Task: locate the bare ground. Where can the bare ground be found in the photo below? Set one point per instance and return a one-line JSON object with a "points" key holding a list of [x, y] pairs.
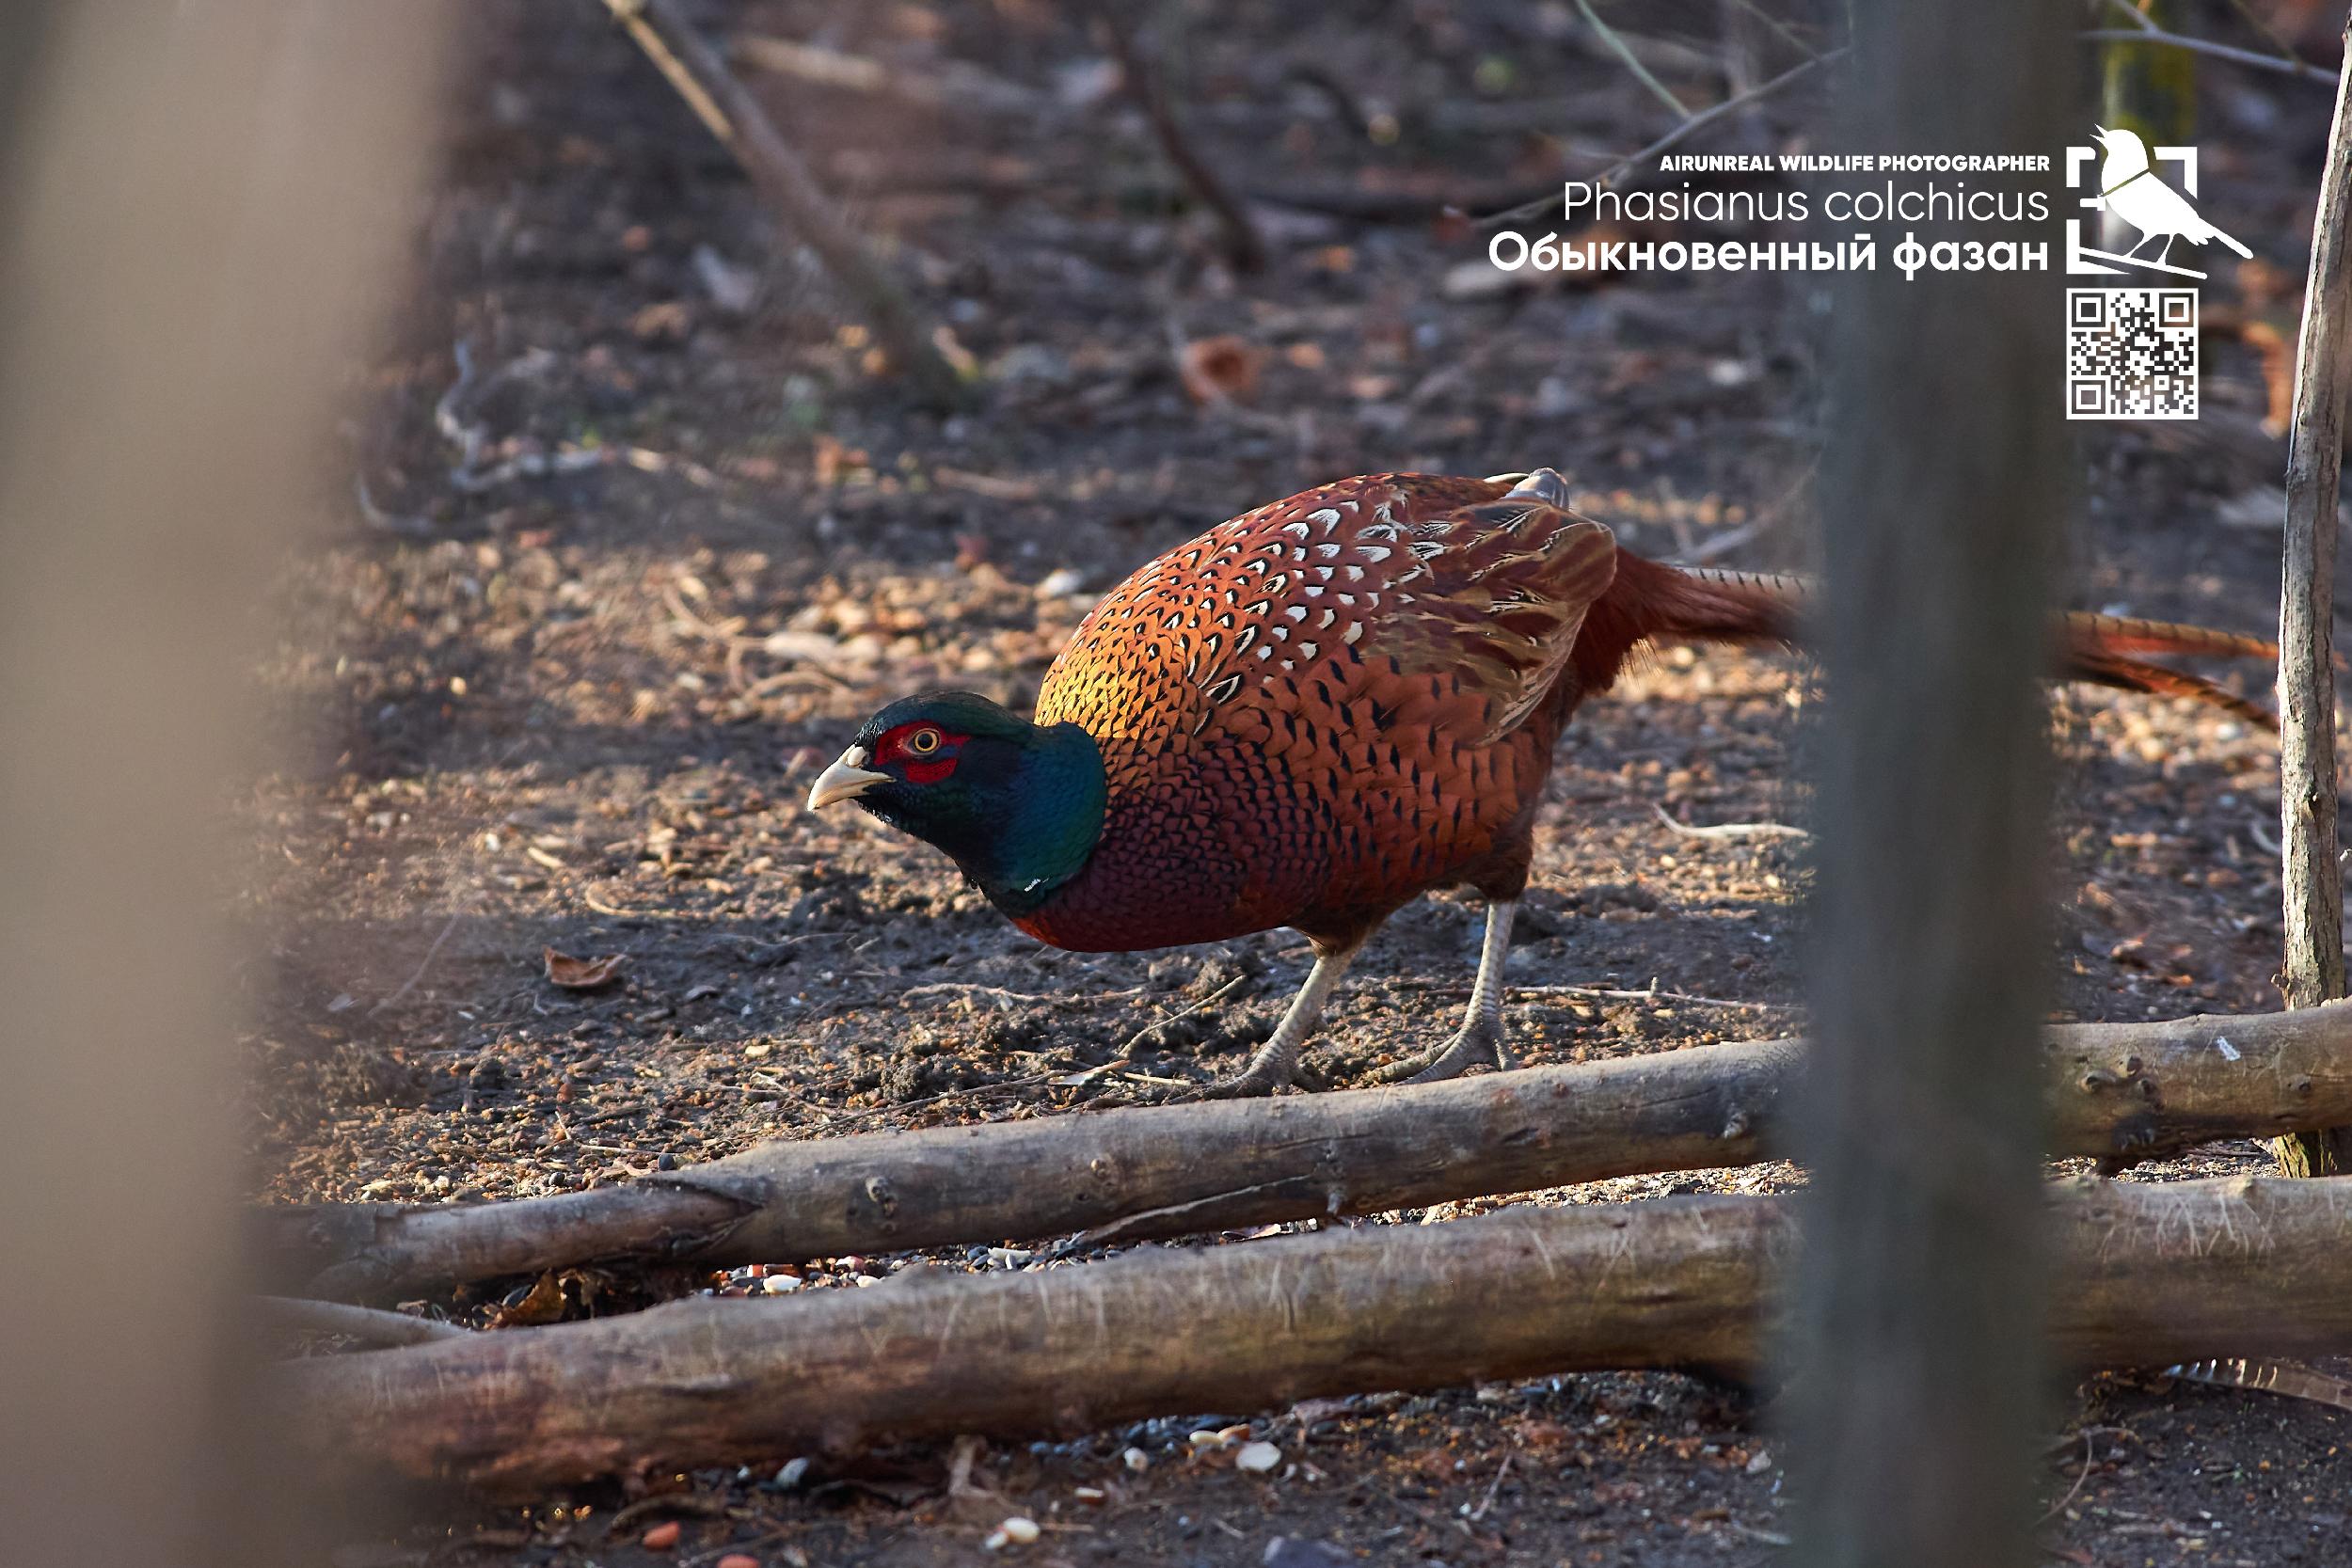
{"points": [[578, 712]]}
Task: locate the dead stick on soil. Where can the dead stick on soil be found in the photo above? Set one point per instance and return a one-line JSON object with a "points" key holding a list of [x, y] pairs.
{"points": [[735, 116], [1244, 245], [364, 1323], [2311, 883], [2118, 1091], [2147, 1275]]}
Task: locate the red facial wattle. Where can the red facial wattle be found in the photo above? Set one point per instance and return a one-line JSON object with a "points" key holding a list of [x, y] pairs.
{"points": [[923, 754]]}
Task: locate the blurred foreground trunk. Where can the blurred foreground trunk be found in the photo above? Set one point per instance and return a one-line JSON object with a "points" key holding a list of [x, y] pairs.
{"points": [[199, 204], [1921, 1290]]}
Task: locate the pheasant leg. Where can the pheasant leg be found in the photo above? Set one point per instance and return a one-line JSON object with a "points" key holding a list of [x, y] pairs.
{"points": [[1479, 1041], [1275, 1065]]}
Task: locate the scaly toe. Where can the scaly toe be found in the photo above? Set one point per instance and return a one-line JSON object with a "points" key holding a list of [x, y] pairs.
{"points": [[1255, 1083], [1471, 1048]]}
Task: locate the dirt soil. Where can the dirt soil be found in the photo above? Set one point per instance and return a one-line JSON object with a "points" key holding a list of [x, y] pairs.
{"points": [[558, 676]]}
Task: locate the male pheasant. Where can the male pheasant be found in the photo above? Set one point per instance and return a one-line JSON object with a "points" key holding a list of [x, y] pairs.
{"points": [[1314, 713]]}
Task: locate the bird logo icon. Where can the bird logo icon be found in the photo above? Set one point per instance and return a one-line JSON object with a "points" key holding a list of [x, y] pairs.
{"points": [[2130, 188]]}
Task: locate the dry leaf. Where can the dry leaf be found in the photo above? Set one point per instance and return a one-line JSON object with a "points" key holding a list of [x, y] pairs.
{"points": [[543, 1305], [1220, 369], [582, 974]]}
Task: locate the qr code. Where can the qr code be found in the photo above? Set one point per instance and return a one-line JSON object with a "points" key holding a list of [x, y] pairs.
{"points": [[2130, 354]]}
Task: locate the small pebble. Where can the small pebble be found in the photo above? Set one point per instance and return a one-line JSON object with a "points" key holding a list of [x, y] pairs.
{"points": [[1206, 1439], [794, 1472], [1135, 1460], [669, 1161], [1761, 1463], [779, 1284], [662, 1536], [1020, 1529], [1258, 1458], [1088, 1494]]}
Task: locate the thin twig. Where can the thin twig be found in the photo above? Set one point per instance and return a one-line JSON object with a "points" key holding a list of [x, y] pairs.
{"points": [[1492, 1487], [2157, 35], [732, 114], [430, 954], [1142, 1221], [1633, 62], [364, 1323], [1651, 995], [2286, 49], [997, 994], [2075, 1491], [1244, 245], [1159, 1023], [1673, 138], [376, 517], [1779, 28], [1730, 829]]}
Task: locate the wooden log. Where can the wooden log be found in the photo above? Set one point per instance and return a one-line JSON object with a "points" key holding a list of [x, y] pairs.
{"points": [[2118, 1091], [2149, 1274], [2311, 879]]}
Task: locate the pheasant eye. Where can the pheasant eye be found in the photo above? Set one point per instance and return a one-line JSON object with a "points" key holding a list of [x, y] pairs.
{"points": [[923, 742]]}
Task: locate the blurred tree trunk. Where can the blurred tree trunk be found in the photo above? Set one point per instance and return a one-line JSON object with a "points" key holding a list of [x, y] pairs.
{"points": [[1915, 1380], [201, 203]]}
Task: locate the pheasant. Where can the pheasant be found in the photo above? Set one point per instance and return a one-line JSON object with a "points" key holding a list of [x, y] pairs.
{"points": [[1314, 713]]}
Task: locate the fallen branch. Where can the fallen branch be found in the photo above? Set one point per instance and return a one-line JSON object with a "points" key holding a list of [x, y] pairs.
{"points": [[2119, 1091], [2147, 1275], [948, 83], [733, 115], [363, 1323], [1244, 245]]}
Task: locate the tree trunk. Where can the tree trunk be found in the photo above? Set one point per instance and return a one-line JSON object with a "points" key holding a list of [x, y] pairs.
{"points": [[1918, 1358], [2150, 1274], [2118, 1091], [2311, 883]]}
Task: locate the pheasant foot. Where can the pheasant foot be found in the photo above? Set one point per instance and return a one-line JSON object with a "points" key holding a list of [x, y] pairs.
{"points": [[1478, 1043]]}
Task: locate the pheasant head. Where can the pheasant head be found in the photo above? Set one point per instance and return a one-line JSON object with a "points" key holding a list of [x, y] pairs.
{"points": [[1016, 805]]}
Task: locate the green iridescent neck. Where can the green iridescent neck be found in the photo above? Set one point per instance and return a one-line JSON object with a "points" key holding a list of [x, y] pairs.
{"points": [[1053, 816]]}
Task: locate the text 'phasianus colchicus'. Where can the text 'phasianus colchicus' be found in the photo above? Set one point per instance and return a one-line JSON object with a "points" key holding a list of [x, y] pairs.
{"points": [[1314, 713]]}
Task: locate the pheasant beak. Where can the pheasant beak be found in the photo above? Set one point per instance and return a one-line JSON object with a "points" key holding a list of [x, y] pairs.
{"points": [[845, 779]]}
